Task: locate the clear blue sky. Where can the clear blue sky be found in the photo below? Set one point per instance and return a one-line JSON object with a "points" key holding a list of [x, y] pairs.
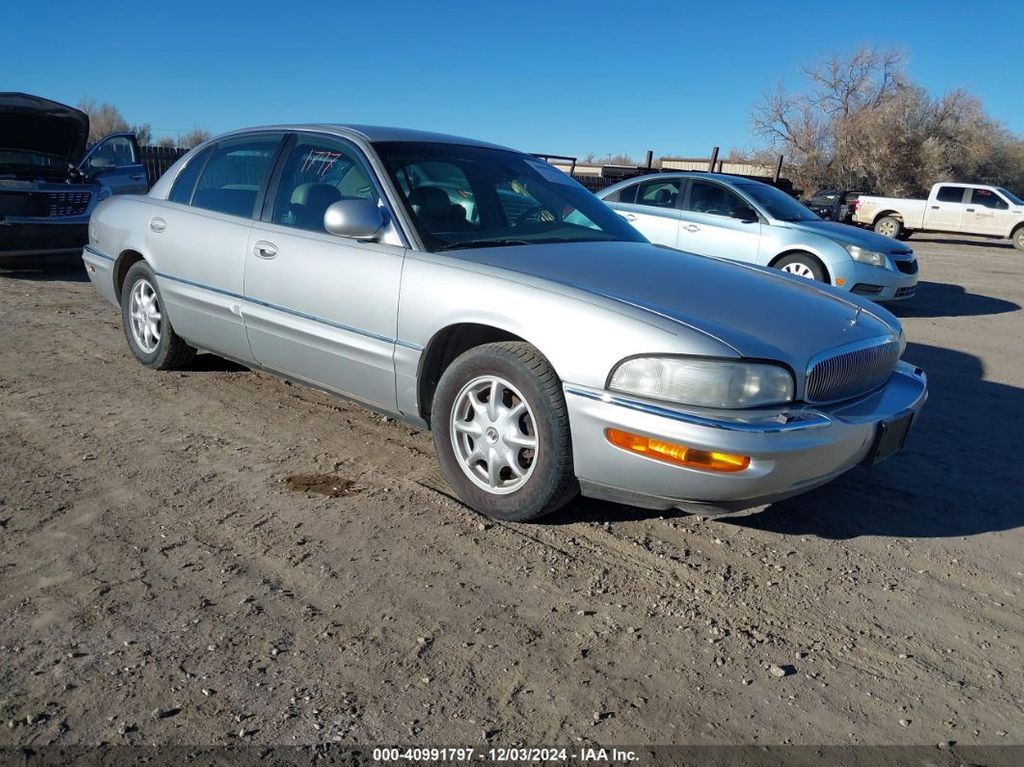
{"points": [[557, 77]]}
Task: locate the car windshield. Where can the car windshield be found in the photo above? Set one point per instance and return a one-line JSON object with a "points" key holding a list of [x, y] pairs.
{"points": [[779, 205], [1010, 196], [470, 196]]}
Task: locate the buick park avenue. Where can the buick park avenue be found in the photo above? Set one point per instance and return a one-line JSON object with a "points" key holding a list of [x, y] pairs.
{"points": [[482, 294]]}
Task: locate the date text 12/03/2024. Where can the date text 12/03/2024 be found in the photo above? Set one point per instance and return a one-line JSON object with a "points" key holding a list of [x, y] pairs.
{"points": [[513, 754]]}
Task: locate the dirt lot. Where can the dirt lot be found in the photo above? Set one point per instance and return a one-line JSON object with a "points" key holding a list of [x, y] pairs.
{"points": [[162, 582]]}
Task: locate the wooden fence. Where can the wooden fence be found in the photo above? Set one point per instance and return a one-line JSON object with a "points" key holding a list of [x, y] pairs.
{"points": [[157, 159]]}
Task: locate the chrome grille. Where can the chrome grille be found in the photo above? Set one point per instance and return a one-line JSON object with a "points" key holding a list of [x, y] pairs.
{"points": [[67, 203], [841, 374]]}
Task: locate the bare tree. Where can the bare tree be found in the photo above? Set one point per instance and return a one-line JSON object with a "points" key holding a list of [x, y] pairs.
{"points": [[193, 138], [105, 119], [166, 141], [861, 121]]}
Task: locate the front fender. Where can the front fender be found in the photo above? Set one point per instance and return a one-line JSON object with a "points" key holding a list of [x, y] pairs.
{"points": [[583, 339]]}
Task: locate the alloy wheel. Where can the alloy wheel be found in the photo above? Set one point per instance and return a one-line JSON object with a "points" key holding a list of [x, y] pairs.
{"points": [[494, 434], [144, 312], [800, 270]]}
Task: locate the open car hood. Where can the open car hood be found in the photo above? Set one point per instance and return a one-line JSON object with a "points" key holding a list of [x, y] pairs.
{"points": [[35, 124]]}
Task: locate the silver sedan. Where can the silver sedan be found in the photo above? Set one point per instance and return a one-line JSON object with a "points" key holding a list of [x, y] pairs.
{"points": [[480, 293]]}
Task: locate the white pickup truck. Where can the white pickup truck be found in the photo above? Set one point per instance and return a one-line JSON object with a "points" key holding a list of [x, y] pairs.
{"points": [[990, 211]]}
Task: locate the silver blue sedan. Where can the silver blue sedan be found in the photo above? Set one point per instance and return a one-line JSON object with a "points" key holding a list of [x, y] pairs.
{"points": [[714, 214], [480, 293]]}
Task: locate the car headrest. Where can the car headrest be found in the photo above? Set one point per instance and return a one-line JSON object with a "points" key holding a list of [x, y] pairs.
{"points": [[315, 195], [430, 202]]}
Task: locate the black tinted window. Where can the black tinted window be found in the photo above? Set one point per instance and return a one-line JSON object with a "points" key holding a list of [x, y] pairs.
{"points": [[185, 183], [950, 194], [658, 193], [715, 199], [987, 198], [317, 173], [232, 178], [626, 194]]}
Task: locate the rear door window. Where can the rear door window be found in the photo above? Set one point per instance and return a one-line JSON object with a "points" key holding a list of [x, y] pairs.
{"points": [[234, 174], [658, 193], [950, 194]]}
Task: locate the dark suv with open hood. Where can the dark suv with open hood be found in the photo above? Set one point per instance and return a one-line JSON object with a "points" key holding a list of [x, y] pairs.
{"points": [[49, 184]]}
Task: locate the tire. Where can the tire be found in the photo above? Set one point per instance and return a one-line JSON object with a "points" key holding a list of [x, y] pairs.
{"points": [[1018, 238], [889, 226], [803, 265], [470, 437], [142, 305]]}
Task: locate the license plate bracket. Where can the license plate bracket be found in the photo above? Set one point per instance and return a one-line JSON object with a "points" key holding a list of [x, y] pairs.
{"points": [[890, 437]]}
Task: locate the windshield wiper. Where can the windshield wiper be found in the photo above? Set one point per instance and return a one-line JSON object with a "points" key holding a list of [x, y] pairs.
{"points": [[498, 243]]}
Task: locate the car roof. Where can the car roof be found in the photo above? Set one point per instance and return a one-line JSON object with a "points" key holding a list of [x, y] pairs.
{"points": [[727, 178], [375, 133]]}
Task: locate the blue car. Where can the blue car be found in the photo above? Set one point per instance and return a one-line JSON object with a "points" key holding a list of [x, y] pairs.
{"points": [[732, 217], [49, 183]]}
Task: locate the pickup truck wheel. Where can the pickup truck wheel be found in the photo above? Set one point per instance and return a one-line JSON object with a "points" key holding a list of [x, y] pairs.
{"points": [[1018, 238], [146, 325], [802, 265], [889, 226], [906, 234], [501, 432]]}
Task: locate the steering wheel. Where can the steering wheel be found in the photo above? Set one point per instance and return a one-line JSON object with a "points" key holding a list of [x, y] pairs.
{"points": [[533, 210]]}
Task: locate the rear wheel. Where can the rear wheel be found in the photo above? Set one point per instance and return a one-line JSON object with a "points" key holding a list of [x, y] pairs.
{"points": [[889, 226], [802, 265], [1018, 238], [146, 325], [501, 432]]}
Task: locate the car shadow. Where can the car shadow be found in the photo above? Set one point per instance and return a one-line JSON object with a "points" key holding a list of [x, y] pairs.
{"points": [[205, 362], [941, 299], [70, 269], [957, 476], [986, 243]]}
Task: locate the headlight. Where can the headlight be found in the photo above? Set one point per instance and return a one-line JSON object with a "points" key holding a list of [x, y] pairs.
{"points": [[872, 257], [704, 383]]}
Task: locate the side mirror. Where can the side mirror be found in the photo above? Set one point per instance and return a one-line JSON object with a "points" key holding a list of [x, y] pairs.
{"points": [[747, 215], [359, 219]]}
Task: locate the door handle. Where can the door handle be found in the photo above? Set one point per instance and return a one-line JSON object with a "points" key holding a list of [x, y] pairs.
{"points": [[157, 224], [970, 210], [264, 249], [935, 207], [692, 228]]}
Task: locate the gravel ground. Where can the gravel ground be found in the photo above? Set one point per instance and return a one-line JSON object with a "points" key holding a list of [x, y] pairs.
{"points": [[162, 581]]}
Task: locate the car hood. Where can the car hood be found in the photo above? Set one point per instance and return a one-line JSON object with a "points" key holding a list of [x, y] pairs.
{"points": [[34, 124], [758, 312], [845, 234]]}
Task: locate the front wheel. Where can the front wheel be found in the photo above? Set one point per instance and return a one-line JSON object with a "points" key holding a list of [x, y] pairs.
{"points": [[1018, 238], [146, 326], [802, 265], [889, 226], [501, 432]]}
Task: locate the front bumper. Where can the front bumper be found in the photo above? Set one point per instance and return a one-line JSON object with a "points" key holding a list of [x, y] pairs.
{"points": [[791, 450], [878, 284], [25, 242]]}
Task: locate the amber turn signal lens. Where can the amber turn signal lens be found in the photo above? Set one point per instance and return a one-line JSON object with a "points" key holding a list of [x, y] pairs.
{"points": [[680, 455]]}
